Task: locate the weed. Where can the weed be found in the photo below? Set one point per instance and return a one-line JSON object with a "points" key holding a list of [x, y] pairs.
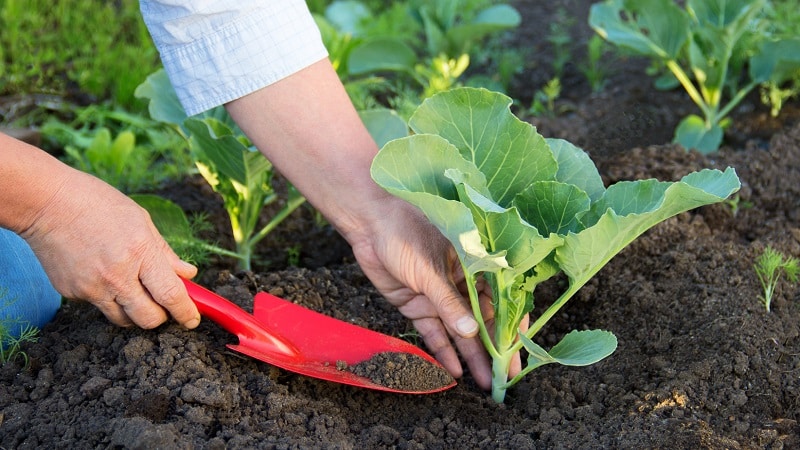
{"points": [[769, 267], [10, 342]]}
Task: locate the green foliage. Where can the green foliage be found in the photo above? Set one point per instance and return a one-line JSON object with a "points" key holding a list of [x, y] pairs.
{"points": [[128, 151], [366, 47], [544, 100], [712, 48], [454, 27], [782, 22], [10, 341], [769, 267], [228, 162], [560, 40], [519, 209], [181, 233], [103, 48], [593, 68]]}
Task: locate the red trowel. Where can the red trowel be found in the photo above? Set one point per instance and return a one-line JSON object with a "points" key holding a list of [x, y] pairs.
{"points": [[303, 341]]}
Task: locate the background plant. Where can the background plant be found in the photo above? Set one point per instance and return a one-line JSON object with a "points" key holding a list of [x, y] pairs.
{"points": [[227, 160], [769, 267], [181, 232], [782, 22], [520, 209], [75, 47], [593, 67], [411, 49], [128, 151], [14, 332], [713, 48]]}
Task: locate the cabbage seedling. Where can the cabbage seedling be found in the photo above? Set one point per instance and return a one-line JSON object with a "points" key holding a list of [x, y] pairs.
{"points": [[519, 209]]}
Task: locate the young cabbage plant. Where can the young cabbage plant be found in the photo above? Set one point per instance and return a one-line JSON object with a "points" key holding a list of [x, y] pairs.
{"points": [[707, 47], [228, 162], [520, 209]]}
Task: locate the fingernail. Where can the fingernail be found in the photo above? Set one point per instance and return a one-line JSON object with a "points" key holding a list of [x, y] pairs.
{"points": [[466, 326], [192, 323], [188, 266]]}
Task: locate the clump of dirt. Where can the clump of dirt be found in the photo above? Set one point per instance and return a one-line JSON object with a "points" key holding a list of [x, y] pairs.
{"points": [[402, 371]]}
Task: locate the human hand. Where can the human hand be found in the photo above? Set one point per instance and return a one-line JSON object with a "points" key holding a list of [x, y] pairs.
{"points": [[416, 269], [98, 245]]}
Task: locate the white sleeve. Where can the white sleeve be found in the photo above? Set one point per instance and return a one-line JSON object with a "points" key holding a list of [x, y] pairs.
{"points": [[215, 51]]}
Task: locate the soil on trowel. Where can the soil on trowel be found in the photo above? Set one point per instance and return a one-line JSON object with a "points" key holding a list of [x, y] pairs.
{"points": [[402, 371]]}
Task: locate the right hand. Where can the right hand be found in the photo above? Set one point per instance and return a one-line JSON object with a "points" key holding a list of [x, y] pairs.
{"points": [[98, 245]]}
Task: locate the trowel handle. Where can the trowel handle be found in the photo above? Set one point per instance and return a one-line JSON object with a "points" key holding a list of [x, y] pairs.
{"points": [[235, 320]]}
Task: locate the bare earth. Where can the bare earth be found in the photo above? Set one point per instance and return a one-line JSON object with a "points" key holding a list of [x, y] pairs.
{"points": [[700, 364]]}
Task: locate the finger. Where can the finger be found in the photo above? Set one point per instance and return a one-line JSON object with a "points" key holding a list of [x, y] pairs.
{"points": [[114, 312], [453, 310], [167, 290], [438, 343], [477, 359], [139, 306]]}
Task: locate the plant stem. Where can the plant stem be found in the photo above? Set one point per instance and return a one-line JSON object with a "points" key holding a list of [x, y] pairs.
{"points": [[293, 203], [735, 101], [690, 88], [500, 367], [474, 301]]}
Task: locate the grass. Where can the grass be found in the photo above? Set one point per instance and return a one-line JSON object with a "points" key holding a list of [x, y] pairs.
{"points": [[75, 47], [11, 345]]}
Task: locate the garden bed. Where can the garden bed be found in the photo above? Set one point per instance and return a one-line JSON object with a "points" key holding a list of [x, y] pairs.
{"points": [[700, 363]]}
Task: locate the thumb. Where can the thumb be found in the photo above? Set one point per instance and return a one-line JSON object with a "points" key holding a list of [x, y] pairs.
{"points": [[454, 309]]}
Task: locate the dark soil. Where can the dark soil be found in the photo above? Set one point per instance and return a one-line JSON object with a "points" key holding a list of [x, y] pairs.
{"points": [[700, 363]]}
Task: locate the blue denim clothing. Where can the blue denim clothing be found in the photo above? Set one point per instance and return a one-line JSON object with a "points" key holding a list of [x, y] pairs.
{"points": [[26, 295]]}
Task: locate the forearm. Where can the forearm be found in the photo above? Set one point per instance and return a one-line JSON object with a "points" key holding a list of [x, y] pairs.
{"points": [[307, 127], [29, 178]]}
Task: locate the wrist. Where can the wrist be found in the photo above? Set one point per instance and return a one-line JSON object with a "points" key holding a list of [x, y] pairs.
{"points": [[29, 180]]}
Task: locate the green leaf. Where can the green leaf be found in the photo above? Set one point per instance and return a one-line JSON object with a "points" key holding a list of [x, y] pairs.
{"points": [[347, 15], [732, 14], [643, 205], [504, 230], [778, 61], [491, 20], [164, 105], [383, 125], [656, 28], [229, 156], [381, 54], [577, 348], [169, 218], [413, 168], [694, 133], [553, 207], [480, 124], [576, 168]]}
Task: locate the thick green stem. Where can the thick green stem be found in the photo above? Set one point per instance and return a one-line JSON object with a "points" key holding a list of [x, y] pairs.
{"points": [[474, 301], [500, 367]]}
